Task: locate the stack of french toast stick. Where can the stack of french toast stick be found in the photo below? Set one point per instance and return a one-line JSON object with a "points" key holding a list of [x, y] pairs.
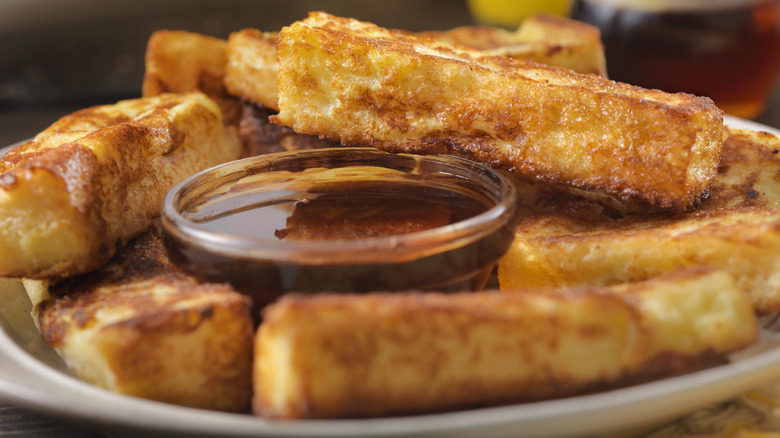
{"points": [[647, 245]]}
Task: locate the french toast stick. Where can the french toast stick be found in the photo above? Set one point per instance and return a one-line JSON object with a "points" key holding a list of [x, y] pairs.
{"points": [[140, 327], [567, 240], [94, 179], [748, 171], [337, 356], [358, 83], [743, 241], [546, 39], [178, 61], [748, 176], [252, 66]]}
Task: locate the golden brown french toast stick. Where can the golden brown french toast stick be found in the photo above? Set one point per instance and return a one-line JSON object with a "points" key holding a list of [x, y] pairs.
{"points": [[96, 178], [139, 326], [183, 62], [358, 83], [335, 356], [743, 241]]}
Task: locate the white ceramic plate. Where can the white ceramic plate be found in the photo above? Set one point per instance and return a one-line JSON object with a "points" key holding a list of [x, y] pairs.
{"points": [[32, 376]]}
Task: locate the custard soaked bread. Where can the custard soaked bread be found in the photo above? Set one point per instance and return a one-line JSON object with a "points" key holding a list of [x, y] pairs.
{"points": [[566, 240], [355, 82], [94, 179], [335, 356], [139, 326]]}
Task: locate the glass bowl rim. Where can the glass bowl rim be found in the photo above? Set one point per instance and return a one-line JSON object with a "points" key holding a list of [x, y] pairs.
{"points": [[403, 247]]}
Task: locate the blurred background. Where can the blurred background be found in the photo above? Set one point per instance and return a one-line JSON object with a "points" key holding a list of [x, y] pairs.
{"points": [[59, 56]]}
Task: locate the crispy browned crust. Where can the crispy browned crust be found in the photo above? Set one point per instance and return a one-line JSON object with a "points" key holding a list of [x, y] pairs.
{"points": [[361, 84], [336, 356], [96, 178], [183, 62], [143, 258], [140, 327]]}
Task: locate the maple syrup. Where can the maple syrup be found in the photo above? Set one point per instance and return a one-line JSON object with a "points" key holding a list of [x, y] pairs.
{"points": [[728, 50]]}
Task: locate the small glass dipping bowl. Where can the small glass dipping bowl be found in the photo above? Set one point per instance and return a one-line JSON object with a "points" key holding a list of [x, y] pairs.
{"points": [[341, 220]]}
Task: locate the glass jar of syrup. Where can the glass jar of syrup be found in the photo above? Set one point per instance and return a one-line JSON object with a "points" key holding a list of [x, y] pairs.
{"points": [[728, 50]]}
